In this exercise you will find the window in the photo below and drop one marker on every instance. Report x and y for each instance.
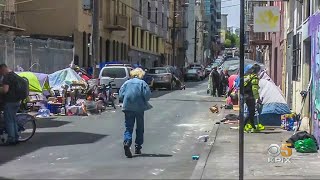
(114, 72)
(133, 36)
(150, 42)
(296, 58)
(156, 18)
(158, 71)
(107, 50)
(124, 9)
(306, 9)
(140, 7)
(167, 24)
(142, 39)
(157, 44)
(149, 10)
(162, 23)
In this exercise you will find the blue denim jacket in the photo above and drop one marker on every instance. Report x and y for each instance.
(135, 94)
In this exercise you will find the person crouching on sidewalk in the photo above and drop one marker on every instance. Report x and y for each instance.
(135, 94)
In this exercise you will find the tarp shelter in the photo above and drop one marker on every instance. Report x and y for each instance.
(63, 77)
(274, 104)
(37, 82)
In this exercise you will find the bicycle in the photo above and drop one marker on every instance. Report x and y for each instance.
(25, 133)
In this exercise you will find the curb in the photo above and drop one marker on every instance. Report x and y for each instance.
(204, 156)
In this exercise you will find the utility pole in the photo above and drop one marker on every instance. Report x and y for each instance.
(241, 113)
(174, 33)
(95, 35)
(195, 41)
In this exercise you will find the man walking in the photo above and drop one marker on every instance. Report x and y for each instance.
(215, 82)
(135, 94)
(12, 103)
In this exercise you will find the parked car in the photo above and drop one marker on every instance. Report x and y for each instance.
(200, 70)
(119, 73)
(163, 77)
(148, 79)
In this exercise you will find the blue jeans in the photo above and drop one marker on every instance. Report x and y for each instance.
(10, 111)
(130, 118)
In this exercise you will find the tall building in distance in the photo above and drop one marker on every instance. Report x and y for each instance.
(224, 27)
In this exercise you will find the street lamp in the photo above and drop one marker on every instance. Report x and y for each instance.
(195, 38)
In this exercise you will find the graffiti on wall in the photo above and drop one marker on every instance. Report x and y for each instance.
(314, 32)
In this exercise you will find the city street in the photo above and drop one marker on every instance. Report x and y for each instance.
(91, 147)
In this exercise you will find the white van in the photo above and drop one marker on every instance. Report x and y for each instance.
(120, 74)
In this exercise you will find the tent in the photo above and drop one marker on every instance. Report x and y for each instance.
(274, 104)
(63, 77)
(37, 82)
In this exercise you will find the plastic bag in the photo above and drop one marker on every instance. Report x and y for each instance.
(306, 146)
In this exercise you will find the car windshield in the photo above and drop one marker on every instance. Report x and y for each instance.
(114, 72)
(158, 71)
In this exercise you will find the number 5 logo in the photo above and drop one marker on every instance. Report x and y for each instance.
(285, 150)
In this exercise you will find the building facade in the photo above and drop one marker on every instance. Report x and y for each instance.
(150, 33)
(71, 21)
(195, 19)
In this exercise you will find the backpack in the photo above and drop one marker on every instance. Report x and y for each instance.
(22, 88)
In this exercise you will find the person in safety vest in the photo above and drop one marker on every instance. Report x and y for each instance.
(251, 97)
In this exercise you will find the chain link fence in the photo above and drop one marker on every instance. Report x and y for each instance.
(44, 56)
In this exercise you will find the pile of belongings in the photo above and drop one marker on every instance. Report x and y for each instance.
(303, 142)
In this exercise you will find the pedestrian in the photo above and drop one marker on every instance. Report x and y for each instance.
(225, 81)
(135, 94)
(11, 103)
(251, 96)
(215, 82)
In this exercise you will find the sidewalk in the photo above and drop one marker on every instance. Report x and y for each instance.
(223, 159)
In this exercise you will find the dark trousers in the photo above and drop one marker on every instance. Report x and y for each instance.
(10, 112)
(251, 103)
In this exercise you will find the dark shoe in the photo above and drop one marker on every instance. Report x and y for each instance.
(137, 150)
(127, 150)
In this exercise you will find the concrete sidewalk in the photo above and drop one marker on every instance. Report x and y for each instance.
(222, 161)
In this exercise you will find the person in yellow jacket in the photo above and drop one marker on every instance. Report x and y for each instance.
(251, 97)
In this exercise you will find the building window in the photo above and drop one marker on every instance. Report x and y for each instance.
(117, 51)
(114, 50)
(167, 24)
(162, 23)
(157, 44)
(149, 10)
(140, 7)
(100, 9)
(156, 18)
(89, 50)
(107, 50)
(296, 58)
(306, 9)
(142, 39)
(150, 42)
(100, 49)
(84, 46)
(133, 36)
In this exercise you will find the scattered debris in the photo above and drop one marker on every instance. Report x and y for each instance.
(204, 137)
(195, 157)
(214, 109)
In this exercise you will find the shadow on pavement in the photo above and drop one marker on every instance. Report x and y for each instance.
(47, 139)
(153, 155)
(192, 84)
(50, 123)
(159, 93)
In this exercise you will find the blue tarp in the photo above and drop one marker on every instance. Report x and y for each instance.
(63, 77)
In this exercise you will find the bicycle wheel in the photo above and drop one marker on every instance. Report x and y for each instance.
(26, 126)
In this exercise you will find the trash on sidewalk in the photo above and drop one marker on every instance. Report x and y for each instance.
(214, 109)
(204, 138)
(306, 146)
(195, 157)
(301, 136)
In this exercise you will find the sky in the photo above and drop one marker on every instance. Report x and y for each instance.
(233, 12)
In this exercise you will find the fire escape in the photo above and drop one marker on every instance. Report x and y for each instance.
(8, 21)
(253, 39)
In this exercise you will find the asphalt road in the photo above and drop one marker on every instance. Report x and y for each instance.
(91, 147)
